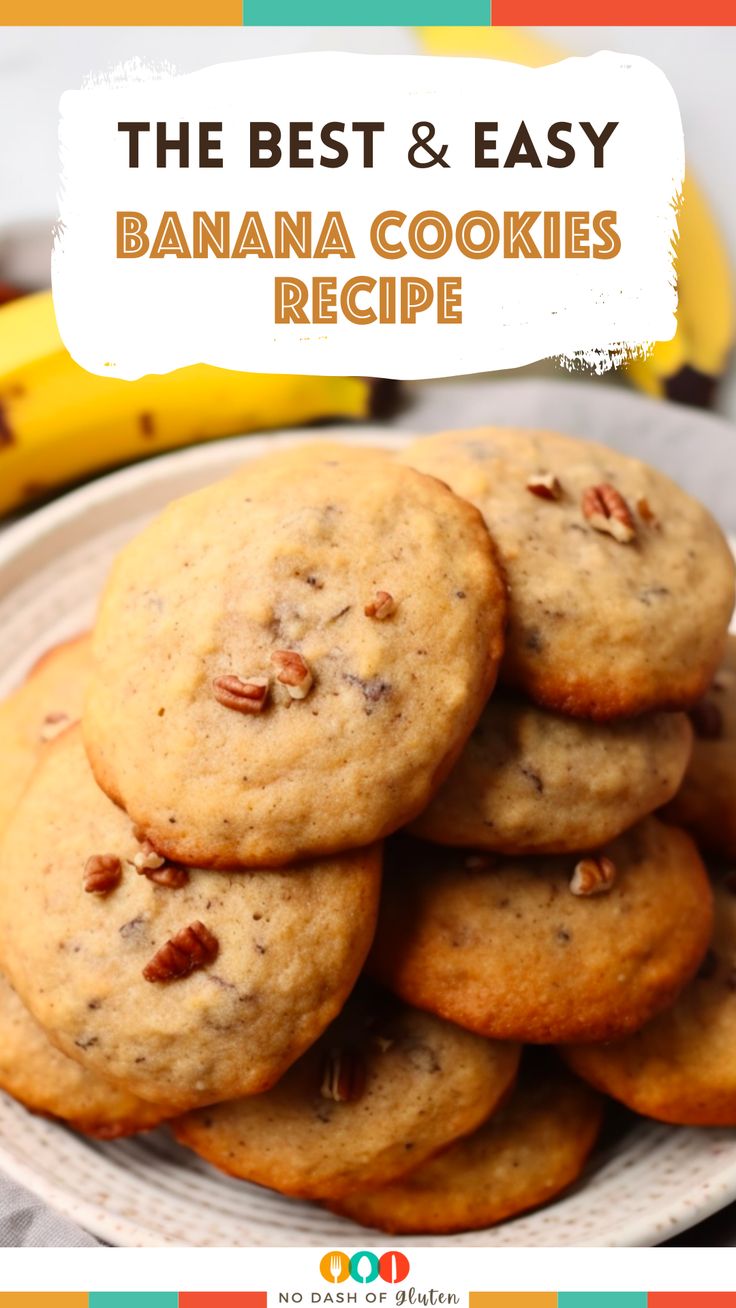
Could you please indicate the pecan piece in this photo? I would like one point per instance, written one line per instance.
(646, 512)
(147, 860)
(53, 725)
(382, 606)
(606, 510)
(707, 720)
(343, 1076)
(293, 672)
(102, 873)
(170, 875)
(544, 485)
(593, 876)
(194, 946)
(242, 696)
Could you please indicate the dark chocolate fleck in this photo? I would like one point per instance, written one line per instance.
(87, 1043)
(341, 614)
(534, 777)
(373, 690)
(132, 927)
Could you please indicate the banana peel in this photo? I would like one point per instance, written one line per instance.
(689, 367)
(59, 424)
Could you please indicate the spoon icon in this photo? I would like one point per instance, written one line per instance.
(358, 1273)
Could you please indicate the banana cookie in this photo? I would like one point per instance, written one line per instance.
(382, 1090)
(681, 1067)
(527, 1153)
(184, 987)
(49, 1083)
(288, 662)
(603, 556)
(534, 782)
(37, 712)
(706, 803)
(547, 949)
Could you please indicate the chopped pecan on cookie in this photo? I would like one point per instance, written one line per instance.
(646, 512)
(194, 946)
(343, 1076)
(102, 873)
(606, 510)
(593, 876)
(244, 696)
(293, 672)
(382, 606)
(544, 485)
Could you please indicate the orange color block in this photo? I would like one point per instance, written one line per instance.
(129, 13)
(513, 1299)
(42, 1299)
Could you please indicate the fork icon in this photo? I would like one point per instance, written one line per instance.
(335, 1268)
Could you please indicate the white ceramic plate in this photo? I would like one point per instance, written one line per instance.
(655, 1182)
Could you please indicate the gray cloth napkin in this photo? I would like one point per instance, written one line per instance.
(25, 1220)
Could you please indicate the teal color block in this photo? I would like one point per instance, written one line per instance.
(134, 1299)
(602, 1299)
(367, 13)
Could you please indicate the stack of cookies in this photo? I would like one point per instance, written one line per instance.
(480, 663)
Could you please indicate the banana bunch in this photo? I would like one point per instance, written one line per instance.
(59, 423)
(689, 367)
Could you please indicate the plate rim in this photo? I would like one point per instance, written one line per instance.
(19, 538)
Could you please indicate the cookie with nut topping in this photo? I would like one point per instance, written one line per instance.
(603, 556)
(530, 781)
(184, 989)
(680, 1068)
(706, 802)
(545, 949)
(39, 1076)
(47, 702)
(287, 663)
(525, 1155)
(384, 1089)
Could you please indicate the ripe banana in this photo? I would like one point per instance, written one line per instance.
(689, 367)
(59, 423)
